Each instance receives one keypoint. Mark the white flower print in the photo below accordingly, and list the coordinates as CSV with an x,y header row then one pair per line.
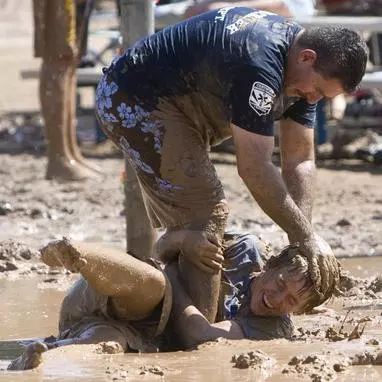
x,y
165,185
104,92
128,118
140,113
134,156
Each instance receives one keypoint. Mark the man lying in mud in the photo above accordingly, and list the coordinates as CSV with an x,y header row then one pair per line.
x,y
126,302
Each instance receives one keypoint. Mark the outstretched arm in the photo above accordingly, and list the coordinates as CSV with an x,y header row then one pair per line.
x,y
298,163
266,184
191,326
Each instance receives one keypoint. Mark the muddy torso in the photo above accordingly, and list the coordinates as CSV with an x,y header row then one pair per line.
x,y
224,66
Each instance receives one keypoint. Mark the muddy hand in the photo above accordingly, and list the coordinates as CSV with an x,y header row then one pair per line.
x,y
322,262
61,253
202,251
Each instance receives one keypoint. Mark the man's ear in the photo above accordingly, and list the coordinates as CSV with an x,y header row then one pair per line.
x,y
307,56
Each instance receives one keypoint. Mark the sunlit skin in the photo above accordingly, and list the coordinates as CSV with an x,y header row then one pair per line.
x,y
277,292
302,80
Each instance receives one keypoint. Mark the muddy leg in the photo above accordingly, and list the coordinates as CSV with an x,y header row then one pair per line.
x,y
71,123
59,65
204,288
30,359
110,339
140,236
133,285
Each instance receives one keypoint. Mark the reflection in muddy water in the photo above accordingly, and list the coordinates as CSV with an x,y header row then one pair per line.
x,y
30,308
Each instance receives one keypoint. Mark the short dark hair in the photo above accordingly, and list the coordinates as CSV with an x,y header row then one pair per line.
x,y
341,53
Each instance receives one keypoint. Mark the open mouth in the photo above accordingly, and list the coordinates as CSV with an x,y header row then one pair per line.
x,y
267,302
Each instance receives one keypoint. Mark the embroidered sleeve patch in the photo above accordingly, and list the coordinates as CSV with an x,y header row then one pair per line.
x,y
261,98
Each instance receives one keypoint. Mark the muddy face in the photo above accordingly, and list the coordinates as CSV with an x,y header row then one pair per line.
x,y
277,292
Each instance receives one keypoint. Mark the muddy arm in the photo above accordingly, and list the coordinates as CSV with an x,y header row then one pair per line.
x,y
298,163
264,181
191,326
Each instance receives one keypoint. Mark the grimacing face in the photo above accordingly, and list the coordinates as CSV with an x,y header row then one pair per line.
x,y
303,81
278,291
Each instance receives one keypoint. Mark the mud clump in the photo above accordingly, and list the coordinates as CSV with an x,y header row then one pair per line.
x,y
325,366
367,358
334,335
109,347
350,286
255,359
376,284
319,367
116,373
17,258
156,370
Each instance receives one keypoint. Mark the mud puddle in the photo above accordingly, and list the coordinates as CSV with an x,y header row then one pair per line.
x,y
30,309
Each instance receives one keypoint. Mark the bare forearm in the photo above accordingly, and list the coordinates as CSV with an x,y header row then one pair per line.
x,y
301,183
268,188
189,323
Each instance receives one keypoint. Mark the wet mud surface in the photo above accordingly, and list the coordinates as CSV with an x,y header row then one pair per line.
x,y
347,211
342,344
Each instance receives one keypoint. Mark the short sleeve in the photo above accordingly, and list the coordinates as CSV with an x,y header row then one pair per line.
x,y
265,328
253,95
302,112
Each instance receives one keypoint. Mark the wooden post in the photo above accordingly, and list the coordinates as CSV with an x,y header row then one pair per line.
x,y
137,21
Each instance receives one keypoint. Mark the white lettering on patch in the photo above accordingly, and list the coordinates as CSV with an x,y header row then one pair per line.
x,y
250,18
261,98
222,13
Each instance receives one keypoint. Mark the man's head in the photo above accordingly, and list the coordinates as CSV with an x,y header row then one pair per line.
x,y
325,62
286,285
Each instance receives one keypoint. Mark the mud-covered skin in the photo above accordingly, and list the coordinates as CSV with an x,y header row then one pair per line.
x,y
31,358
55,41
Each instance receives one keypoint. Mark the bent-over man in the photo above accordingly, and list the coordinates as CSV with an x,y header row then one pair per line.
x,y
228,72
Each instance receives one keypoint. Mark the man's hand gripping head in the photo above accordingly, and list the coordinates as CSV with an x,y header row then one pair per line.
x,y
287,284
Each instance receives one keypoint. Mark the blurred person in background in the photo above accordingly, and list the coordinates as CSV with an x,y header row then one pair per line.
x,y
56,42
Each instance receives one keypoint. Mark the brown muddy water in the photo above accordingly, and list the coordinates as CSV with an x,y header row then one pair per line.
x,y
29,309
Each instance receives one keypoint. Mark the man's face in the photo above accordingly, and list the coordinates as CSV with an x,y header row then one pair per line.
x,y
303,81
278,291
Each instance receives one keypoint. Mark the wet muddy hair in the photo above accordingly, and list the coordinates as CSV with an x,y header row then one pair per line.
x,y
291,258
341,54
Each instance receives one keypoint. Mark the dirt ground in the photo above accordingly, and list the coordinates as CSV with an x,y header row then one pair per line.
x,y
347,213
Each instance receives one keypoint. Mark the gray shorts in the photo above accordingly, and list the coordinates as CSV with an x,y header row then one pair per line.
x,y
84,310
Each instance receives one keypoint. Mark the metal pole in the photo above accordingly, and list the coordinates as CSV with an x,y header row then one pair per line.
x,y
137,21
